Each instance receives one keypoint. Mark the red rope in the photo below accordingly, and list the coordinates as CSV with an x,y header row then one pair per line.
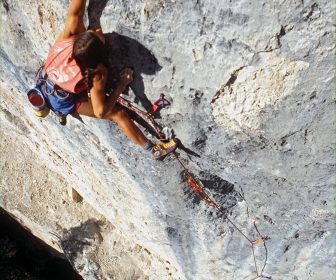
x,y
210,202
200,190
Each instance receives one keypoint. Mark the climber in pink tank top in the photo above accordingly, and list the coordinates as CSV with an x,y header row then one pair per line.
x,y
76,64
62,69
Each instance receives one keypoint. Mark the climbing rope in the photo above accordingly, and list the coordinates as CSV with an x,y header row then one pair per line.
x,y
196,185
199,190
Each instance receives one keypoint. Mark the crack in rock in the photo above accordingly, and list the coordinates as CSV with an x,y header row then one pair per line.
x,y
228,84
312,13
274,42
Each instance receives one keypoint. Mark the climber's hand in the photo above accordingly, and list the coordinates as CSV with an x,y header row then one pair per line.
x,y
99,78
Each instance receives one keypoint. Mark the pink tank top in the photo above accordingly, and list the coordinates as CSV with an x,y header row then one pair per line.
x,y
62,68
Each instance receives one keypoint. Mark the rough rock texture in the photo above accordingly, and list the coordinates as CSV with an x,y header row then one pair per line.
x,y
252,91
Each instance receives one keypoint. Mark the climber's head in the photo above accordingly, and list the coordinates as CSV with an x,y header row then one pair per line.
x,y
89,49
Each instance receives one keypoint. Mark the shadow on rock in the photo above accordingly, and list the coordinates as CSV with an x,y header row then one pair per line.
x,y
95,10
81,242
127,52
222,191
216,184
219,190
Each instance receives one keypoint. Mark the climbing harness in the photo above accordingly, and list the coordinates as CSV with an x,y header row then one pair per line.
x,y
193,181
46,96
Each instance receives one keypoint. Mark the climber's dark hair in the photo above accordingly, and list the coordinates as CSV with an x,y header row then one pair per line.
x,y
88,52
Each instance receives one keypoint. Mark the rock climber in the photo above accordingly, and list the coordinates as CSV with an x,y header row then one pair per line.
x,y
75,76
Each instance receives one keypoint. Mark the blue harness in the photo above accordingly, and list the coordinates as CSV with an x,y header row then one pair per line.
x,y
58,100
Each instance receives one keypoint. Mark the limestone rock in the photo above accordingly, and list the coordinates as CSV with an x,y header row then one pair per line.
x,y
252,91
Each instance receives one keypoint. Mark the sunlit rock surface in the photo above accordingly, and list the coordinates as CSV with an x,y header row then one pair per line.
x,y
252,91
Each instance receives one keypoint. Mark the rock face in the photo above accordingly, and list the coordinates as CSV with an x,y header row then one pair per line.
x,y
252,91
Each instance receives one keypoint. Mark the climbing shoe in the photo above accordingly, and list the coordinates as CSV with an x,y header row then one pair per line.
x,y
159,151
62,120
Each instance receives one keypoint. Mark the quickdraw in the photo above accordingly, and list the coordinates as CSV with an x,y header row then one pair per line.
x,y
146,116
159,104
261,240
191,180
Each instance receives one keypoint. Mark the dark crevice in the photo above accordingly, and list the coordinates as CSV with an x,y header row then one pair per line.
x,y
233,78
268,219
309,14
282,32
277,38
24,256
228,84
305,136
286,249
6,6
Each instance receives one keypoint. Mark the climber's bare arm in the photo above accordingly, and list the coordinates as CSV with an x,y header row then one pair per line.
x,y
103,105
74,23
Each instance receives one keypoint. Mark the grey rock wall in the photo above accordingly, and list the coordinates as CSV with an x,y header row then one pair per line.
x,y
252,91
